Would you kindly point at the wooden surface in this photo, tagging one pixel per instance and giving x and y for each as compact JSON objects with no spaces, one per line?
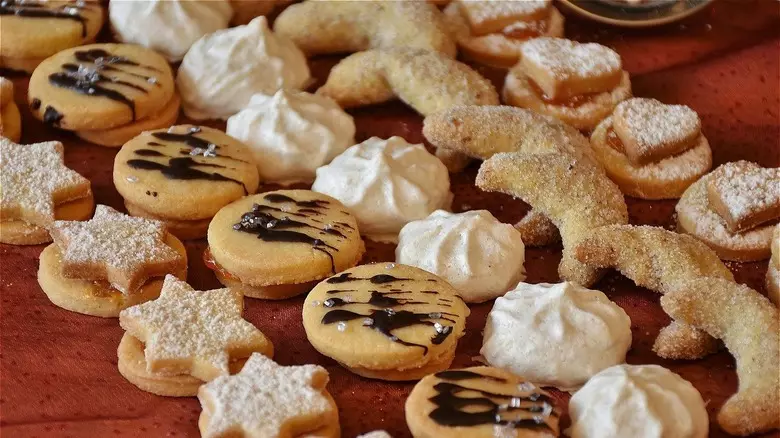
{"x":58,"y":374}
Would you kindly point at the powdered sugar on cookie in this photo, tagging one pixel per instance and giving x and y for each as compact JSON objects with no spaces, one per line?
{"x":745,"y":193}
{"x":192,"y":332}
{"x":491,"y":16}
{"x":565,"y":58}
{"x":265,"y":399}
{"x":33,"y":179}
{"x":112,"y":246}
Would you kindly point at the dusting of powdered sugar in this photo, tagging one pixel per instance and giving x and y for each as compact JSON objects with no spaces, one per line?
{"x":746,"y":188}
{"x":653,"y":124}
{"x":565,"y":58}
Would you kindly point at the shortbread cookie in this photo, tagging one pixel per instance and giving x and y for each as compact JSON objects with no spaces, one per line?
{"x":108,"y":263}
{"x":100,"y":86}
{"x":183,"y":175}
{"x":427,"y":81}
{"x":748,"y":324}
{"x":386,"y":321}
{"x":745,"y":195}
{"x":386,"y":184}
{"x":577,"y":83}
{"x":476,"y":253}
{"x":666,"y":178}
{"x":574,"y":193}
{"x":773,"y":271}
{"x":638,"y":401}
{"x":659,"y":260}
{"x":696,"y":215}
{"x":223,"y":70}
{"x":480,"y":402}
{"x":556,"y":334}
{"x":345,"y":27}
{"x":214,"y":337}
{"x":502,"y":47}
{"x":169,"y":27}
{"x":279,"y":244}
{"x":32,"y":31}
{"x":116,"y":137}
{"x":267,"y":400}
{"x":35,"y":189}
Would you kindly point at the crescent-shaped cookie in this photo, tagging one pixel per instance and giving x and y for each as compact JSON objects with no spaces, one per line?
{"x":320,"y":27}
{"x":574,"y":193}
{"x":748,"y":324}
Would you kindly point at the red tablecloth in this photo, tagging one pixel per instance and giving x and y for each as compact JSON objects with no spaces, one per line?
{"x":59,"y":369}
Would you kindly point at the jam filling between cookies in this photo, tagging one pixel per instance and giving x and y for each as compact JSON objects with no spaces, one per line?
{"x":98,"y":67}
{"x":388,"y":314}
{"x":277,"y":223}
{"x":42,"y":9}
{"x":182,"y":165}
{"x":570,"y":102}
{"x":527,"y":408}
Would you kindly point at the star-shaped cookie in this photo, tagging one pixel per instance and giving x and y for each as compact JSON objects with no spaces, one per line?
{"x":265,"y":400}
{"x":193,"y":332}
{"x":34,"y":179}
{"x":112,"y":246}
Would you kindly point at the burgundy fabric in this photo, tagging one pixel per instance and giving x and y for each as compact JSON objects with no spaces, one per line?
{"x":58,"y":369}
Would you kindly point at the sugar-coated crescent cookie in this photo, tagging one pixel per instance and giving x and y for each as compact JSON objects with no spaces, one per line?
{"x":33,"y":31}
{"x":748,"y":324}
{"x":537,"y":229}
{"x":574,"y":193}
{"x":480,"y":402}
{"x":320,"y":27}
{"x":659,"y":260}
{"x":116,"y":137}
{"x":427,"y":81}
{"x":100,"y":86}
{"x":773,"y":271}
{"x":386,"y":321}
{"x":183,"y":175}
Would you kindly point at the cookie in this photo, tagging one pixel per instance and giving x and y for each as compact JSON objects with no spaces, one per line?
{"x":696,"y":215}
{"x":100,"y":86}
{"x":268,"y":400}
{"x":773,"y":271}
{"x":500,"y":48}
{"x":10,"y":118}
{"x":345,"y":27}
{"x":386,"y":321}
{"x":666,"y":178}
{"x":36,"y":189}
{"x":109,"y":263}
{"x":278,"y":244}
{"x":116,"y":137}
{"x":480,"y":402}
{"x":183,"y":175}
{"x":32,"y":31}
{"x":745,"y":195}
{"x":161,"y":355}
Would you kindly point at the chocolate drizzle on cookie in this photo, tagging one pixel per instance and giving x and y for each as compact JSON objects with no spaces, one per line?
{"x":387,"y":313}
{"x":97,"y":68}
{"x":182,"y":164}
{"x":51,"y":116}
{"x":42,"y":9}
{"x":278,"y":223}
{"x":459,"y":405}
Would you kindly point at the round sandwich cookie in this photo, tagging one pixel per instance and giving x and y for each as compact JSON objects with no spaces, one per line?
{"x":183,"y":175}
{"x":480,"y":402}
{"x":386,"y":321}
{"x":279,"y":244}
{"x":100,"y":86}
{"x":31,"y":31}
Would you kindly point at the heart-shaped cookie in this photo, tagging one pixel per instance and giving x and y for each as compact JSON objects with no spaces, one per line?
{"x":745,"y":194}
{"x":563,"y":68}
{"x":651,"y":130}
{"x":486,"y":17}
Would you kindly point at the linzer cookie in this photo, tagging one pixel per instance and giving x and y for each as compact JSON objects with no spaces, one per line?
{"x":10,"y":119}
{"x":103,"y":87}
{"x":493,"y":16}
{"x":578,"y":83}
{"x":161,"y":355}
{"x":35,"y":189}
{"x":742,"y":194}
{"x":183,"y":175}
{"x":480,"y":402}
{"x":269,"y":400}
{"x":277,"y":245}
{"x":386,"y":321}
{"x":31,"y":31}
{"x":652,"y":150}
{"x":108,"y":263}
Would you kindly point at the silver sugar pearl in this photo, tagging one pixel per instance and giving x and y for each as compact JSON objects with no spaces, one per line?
{"x":526,"y":387}
{"x":390,"y":266}
{"x":152,"y":80}
{"x":547,"y":410}
{"x":342,"y":326}
{"x":368,"y":322}
{"x":515,"y":402}
{"x":434,"y":315}
{"x":390,"y":311}
{"x":132,"y":179}
{"x":316,"y":303}
{"x":538,"y":419}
